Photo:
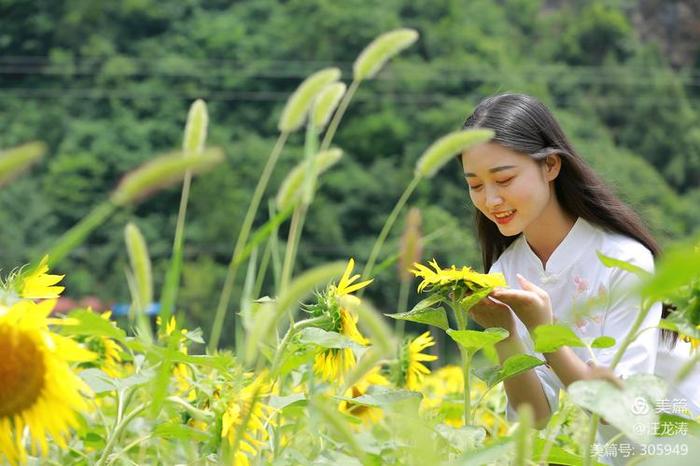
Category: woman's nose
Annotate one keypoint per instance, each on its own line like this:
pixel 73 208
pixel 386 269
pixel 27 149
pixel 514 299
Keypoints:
pixel 493 197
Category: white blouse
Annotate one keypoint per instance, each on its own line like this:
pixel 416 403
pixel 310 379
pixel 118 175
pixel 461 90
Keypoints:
pixel 575 275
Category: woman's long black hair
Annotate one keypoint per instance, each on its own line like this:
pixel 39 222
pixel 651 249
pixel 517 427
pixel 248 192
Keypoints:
pixel 524 124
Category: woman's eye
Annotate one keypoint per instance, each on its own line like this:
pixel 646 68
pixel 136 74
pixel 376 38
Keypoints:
pixel 506 181
pixel 474 187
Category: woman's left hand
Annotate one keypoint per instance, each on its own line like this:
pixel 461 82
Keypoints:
pixel 531 304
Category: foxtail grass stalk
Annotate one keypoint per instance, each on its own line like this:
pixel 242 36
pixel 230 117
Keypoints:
pixel 299 215
pixel 230 279
pixel 79 232
pixel 387 227
pixel 335 121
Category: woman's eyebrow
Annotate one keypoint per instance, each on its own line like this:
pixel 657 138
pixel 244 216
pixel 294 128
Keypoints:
pixel 492 170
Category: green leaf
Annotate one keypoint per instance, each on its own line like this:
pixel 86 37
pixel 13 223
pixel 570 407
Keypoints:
pixel 100 382
pixel 623 265
pixel 626 409
pixel 514 365
pixel 683 328
pixel 474 340
pixel 470 300
pixel 496 452
pixel 549 338
pixel 324 339
pixel 679 422
pixel 557 455
pixel 281 402
pixel 424 313
pixel 383 397
pixel 603 342
pixel 462 439
pixel 180 431
pixel 84 322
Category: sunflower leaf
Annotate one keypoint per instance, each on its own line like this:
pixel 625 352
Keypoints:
pixel 424 313
pixel 474 340
pixel 86 322
pixel 514 365
pixel 470 300
pixel 324 339
pixel 549 338
pixel 626 409
pixel 603 342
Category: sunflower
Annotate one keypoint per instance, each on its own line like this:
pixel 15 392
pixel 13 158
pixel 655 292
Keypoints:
pixel 39 390
pixel 40 285
pixel 368 414
pixel 246 405
pixel 411 367
pixel 333 363
pixel 446 280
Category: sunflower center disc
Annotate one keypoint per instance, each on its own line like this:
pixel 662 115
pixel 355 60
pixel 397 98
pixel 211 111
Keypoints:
pixel 21 371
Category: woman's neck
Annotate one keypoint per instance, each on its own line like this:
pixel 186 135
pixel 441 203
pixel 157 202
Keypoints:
pixel 549 230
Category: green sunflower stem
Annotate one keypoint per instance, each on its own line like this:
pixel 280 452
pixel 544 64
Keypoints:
pixel 387 227
pixel 79 232
pixel 118 429
pixel 466 372
pixel 462 323
pixel 230 280
pixel 293 330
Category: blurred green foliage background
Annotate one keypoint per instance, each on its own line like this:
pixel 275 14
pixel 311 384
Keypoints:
pixel 107 86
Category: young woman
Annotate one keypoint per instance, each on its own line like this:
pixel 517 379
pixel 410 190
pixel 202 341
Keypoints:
pixel 542 215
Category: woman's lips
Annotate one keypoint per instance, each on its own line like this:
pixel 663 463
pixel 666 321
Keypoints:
pixel 504 217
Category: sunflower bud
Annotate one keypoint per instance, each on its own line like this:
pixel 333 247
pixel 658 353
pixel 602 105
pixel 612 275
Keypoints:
pixel 380 50
pixel 14 161
pixel 326 103
pixel 195 128
pixel 292 187
pixel 300 101
pixel 161 173
pixel 442 150
pixel 140 265
pixel 411 244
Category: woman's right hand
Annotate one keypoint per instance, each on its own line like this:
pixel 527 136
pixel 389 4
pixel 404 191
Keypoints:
pixel 489 312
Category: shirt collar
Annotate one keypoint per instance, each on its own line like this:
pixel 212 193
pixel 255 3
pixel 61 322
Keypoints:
pixel 573 246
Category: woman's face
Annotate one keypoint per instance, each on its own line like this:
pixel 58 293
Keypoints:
pixel 510 188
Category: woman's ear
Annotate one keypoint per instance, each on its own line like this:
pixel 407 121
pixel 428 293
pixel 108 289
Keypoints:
pixel 552 166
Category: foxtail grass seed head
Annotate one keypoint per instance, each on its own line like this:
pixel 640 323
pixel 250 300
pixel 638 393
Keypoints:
pixel 292 187
pixel 444 149
pixel 196 128
pixel 411 244
pixel 140 264
pixel 161 173
pixel 380 50
pixel 326 103
pixel 300 101
pixel 14 161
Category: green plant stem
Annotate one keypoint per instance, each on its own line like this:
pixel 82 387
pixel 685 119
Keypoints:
pixel 172 278
pixel 118 428
pixel 461 319
pixel 342 107
pixel 629 338
pixel 79 232
pixel 230 279
pixel 299 215
pixel 302 324
pixel 402 305
pixel 387 227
